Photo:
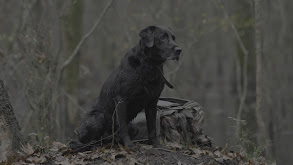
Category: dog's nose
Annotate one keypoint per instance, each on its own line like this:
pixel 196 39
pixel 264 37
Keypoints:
pixel 178 50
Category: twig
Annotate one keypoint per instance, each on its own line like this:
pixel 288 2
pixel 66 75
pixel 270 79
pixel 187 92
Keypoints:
pixel 171 151
pixel 84 38
pixel 163 149
pixel 243 97
pixel 113 121
pixel 238 120
pixel 244 50
pixel 140 140
pixel 74 102
pixel 94 142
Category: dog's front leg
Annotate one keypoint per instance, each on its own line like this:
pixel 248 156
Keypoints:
pixel 121 109
pixel 151 113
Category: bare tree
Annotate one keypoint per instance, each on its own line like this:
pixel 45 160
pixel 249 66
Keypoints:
pixel 73 32
pixel 259 75
pixel 10 136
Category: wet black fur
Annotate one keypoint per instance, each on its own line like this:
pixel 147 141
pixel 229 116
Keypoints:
pixel 133 86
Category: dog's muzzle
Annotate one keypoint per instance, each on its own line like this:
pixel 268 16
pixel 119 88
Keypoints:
pixel 177 52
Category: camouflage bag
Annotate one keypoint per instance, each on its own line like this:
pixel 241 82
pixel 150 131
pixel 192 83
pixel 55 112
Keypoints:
pixel 178 120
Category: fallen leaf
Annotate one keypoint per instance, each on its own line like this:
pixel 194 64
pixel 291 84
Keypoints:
pixel 117 156
pixel 124 148
pixel 64 162
pixel 94 156
pixel 106 159
pixel 220 160
pixel 231 155
pixel 79 161
pixel 217 154
pixel 28 149
pixel 132 161
pixel 36 159
pixel 101 150
pixel 81 155
pixel 57 146
pixel 226 157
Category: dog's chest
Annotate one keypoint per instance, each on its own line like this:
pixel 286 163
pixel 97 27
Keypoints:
pixel 145 84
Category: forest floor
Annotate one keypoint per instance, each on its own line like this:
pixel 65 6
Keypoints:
pixel 58 153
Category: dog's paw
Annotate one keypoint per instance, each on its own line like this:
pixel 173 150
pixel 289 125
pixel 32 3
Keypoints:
pixel 157 144
pixel 133 147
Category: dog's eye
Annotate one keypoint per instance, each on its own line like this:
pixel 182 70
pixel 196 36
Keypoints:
pixel 163 37
pixel 173 37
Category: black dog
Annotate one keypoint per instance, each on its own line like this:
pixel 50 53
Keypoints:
pixel 135 85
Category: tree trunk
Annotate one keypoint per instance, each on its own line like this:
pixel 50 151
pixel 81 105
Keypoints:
pixel 277 48
pixel 259 76
pixel 10 137
pixel 73 22
pixel 274 51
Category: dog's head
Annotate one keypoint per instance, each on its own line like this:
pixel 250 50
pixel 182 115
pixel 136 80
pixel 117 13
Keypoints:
pixel 160 41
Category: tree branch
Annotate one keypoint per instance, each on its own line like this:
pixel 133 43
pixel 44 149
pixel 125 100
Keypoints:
pixel 239 40
pixel 84 38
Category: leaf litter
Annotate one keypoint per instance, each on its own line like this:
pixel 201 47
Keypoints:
pixel 59 153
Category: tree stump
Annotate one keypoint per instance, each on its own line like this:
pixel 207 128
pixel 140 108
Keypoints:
pixel 10 137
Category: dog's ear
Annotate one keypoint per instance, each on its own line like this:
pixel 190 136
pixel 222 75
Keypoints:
pixel 147 35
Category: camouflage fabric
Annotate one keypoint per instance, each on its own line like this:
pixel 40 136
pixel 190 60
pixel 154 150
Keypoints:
pixel 178 120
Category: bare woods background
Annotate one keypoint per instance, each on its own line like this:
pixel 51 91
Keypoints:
pixel 237 63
